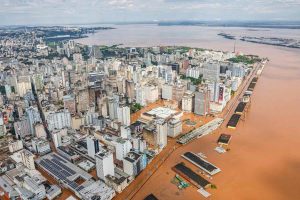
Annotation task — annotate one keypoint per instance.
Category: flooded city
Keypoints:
(263, 161)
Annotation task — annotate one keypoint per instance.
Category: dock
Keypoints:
(201, 131)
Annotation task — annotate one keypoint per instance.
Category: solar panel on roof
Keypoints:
(59, 158)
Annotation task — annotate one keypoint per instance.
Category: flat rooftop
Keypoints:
(251, 86)
(63, 171)
(240, 108)
(190, 175)
(150, 197)
(201, 163)
(162, 112)
(233, 121)
(224, 139)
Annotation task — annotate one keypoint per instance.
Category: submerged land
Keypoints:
(261, 161)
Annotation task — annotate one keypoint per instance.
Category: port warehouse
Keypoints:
(252, 84)
(202, 130)
(240, 108)
(191, 176)
(201, 163)
(234, 120)
(224, 139)
(151, 197)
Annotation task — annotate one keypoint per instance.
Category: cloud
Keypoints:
(89, 11)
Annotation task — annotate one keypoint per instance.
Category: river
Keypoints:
(264, 160)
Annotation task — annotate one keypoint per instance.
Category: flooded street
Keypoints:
(264, 160)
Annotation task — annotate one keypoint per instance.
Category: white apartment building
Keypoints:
(124, 115)
(140, 95)
(104, 164)
(122, 147)
(187, 101)
(161, 133)
(34, 117)
(167, 92)
(59, 120)
(27, 159)
(151, 92)
(93, 146)
(15, 146)
(174, 127)
(23, 85)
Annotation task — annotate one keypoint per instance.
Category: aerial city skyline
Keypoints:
(149, 100)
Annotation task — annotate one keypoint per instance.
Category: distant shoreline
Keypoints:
(281, 42)
(270, 25)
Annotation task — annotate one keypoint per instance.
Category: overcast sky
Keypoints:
(17, 12)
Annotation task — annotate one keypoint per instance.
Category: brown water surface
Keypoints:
(264, 160)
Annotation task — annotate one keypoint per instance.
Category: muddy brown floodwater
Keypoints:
(264, 160)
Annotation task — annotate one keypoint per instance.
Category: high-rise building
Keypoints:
(140, 95)
(24, 85)
(104, 164)
(93, 146)
(130, 89)
(178, 92)
(14, 146)
(188, 101)
(161, 133)
(27, 159)
(151, 93)
(202, 102)
(59, 120)
(124, 114)
(22, 128)
(113, 103)
(82, 100)
(211, 71)
(134, 163)
(2, 126)
(174, 127)
(34, 117)
(41, 146)
(69, 103)
(38, 81)
(123, 147)
(167, 91)
(40, 130)
(57, 136)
